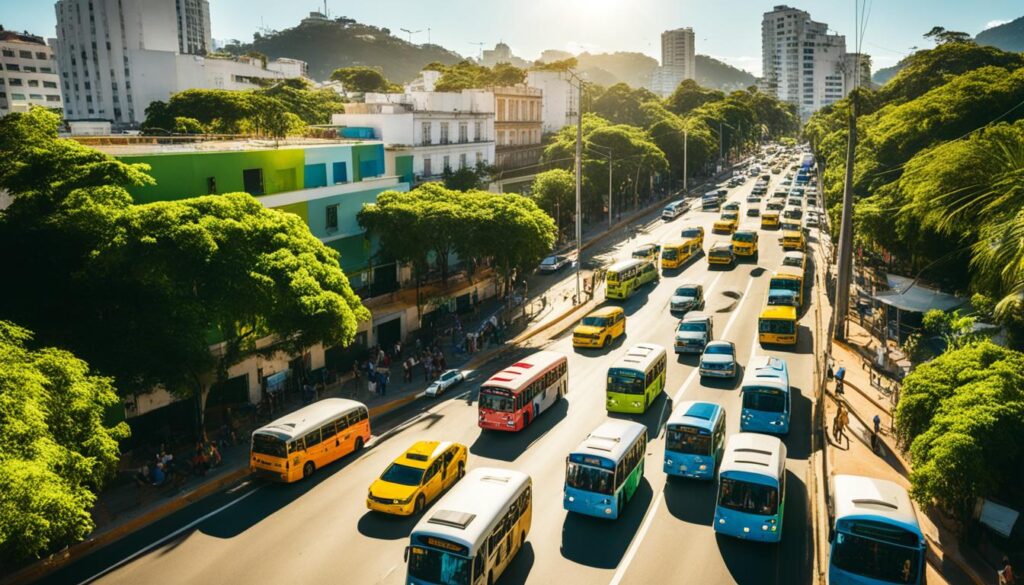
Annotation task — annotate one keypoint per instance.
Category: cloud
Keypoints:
(994, 23)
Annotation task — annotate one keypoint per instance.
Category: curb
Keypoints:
(57, 560)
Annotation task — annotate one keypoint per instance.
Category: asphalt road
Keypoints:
(319, 531)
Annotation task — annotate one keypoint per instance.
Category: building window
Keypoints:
(463, 132)
(426, 130)
(41, 56)
(426, 167)
(340, 172)
(50, 84)
(315, 175)
(18, 96)
(29, 68)
(13, 67)
(15, 81)
(8, 53)
(444, 132)
(53, 98)
(479, 157)
(501, 110)
(33, 83)
(252, 180)
(25, 54)
(478, 131)
(332, 217)
(447, 166)
(462, 161)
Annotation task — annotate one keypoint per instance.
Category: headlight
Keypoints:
(746, 529)
(668, 462)
(572, 499)
(703, 468)
(607, 510)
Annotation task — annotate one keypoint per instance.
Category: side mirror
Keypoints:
(405, 556)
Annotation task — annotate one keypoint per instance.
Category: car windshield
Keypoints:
(448, 375)
(495, 402)
(686, 291)
(797, 262)
(625, 381)
(752, 498)
(693, 233)
(779, 326)
(876, 559)
(781, 300)
(548, 261)
(743, 237)
(434, 566)
(669, 254)
(268, 445)
(594, 321)
(720, 252)
(402, 474)
(693, 326)
(683, 439)
(719, 349)
(729, 216)
(764, 399)
(590, 479)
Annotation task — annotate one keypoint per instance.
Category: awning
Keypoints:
(999, 518)
(916, 298)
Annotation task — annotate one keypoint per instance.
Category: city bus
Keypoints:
(297, 444)
(603, 472)
(765, 396)
(790, 280)
(777, 324)
(694, 440)
(875, 536)
(676, 254)
(636, 379)
(513, 397)
(751, 488)
(473, 533)
(625, 277)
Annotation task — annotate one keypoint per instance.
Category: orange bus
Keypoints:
(512, 398)
(297, 444)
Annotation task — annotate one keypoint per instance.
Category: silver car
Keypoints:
(446, 380)
(718, 360)
(693, 332)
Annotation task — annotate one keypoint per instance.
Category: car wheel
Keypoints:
(421, 503)
(606, 341)
(308, 469)
(462, 470)
(359, 445)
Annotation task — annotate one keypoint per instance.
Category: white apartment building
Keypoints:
(857, 68)
(438, 129)
(802, 62)
(28, 73)
(115, 57)
(678, 61)
(561, 98)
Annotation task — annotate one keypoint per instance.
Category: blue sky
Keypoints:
(726, 29)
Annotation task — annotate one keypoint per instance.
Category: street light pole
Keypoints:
(579, 186)
(609, 190)
(686, 180)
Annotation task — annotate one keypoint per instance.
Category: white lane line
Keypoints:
(170, 536)
(736, 312)
(631, 552)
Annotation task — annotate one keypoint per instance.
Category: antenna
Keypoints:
(410, 33)
(481, 45)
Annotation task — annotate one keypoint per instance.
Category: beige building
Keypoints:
(28, 73)
(518, 126)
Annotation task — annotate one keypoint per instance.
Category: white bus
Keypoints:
(752, 488)
(473, 533)
(605, 470)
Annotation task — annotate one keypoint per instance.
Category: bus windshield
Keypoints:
(764, 399)
(669, 254)
(690, 233)
(625, 381)
(794, 262)
(612, 276)
(402, 474)
(786, 299)
(589, 479)
(686, 440)
(594, 321)
(720, 252)
(780, 326)
(494, 401)
(792, 284)
(752, 498)
(434, 566)
(745, 237)
(875, 559)
(268, 445)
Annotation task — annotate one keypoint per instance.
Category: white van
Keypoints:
(674, 209)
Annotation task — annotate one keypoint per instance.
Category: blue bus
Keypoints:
(751, 497)
(875, 536)
(604, 471)
(765, 396)
(694, 440)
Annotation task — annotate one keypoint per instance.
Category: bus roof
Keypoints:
(877, 499)
(696, 414)
(779, 312)
(625, 264)
(308, 418)
(516, 376)
(786, 272)
(640, 357)
(756, 454)
(605, 311)
(468, 513)
(793, 255)
(764, 370)
(611, 439)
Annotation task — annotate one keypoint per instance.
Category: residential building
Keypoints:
(560, 98)
(435, 129)
(803, 63)
(28, 73)
(678, 61)
(857, 69)
(518, 126)
(502, 53)
(115, 57)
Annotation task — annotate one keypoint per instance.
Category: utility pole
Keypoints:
(844, 259)
(686, 158)
(719, 144)
(609, 190)
(579, 187)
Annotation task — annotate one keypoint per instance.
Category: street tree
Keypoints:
(362, 79)
(689, 96)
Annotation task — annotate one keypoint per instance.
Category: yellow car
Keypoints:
(599, 328)
(721, 253)
(744, 243)
(793, 240)
(727, 224)
(419, 476)
(769, 219)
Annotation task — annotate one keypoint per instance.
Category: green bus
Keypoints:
(636, 379)
(605, 470)
(626, 277)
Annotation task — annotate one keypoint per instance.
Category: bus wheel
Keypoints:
(462, 470)
(359, 445)
(526, 419)
(606, 341)
(421, 503)
(308, 469)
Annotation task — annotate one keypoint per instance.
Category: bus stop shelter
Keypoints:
(907, 301)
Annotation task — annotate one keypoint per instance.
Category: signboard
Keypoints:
(443, 544)
(592, 460)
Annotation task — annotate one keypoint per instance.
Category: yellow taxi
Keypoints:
(769, 219)
(792, 235)
(727, 224)
(744, 243)
(600, 328)
(419, 476)
(721, 253)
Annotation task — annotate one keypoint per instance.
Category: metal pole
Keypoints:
(579, 186)
(609, 191)
(686, 159)
(846, 232)
(719, 145)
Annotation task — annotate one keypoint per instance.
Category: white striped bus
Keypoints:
(513, 398)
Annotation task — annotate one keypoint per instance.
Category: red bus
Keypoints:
(513, 397)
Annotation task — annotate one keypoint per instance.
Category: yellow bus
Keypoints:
(777, 324)
(790, 281)
(625, 277)
(297, 444)
(676, 254)
(744, 243)
(769, 219)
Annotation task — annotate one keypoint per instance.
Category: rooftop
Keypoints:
(128, 144)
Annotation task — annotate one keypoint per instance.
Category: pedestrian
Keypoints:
(159, 475)
(840, 377)
(398, 349)
(428, 365)
(844, 421)
(142, 476)
(355, 370)
(385, 377)
(406, 371)
(1006, 576)
(835, 423)
(878, 423)
(308, 392)
(213, 456)
(371, 385)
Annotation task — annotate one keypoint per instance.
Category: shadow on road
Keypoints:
(385, 527)
(691, 500)
(798, 442)
(519, 569)
(653, 418)
(506, 446)
(600, 543)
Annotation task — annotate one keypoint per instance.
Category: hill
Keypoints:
(711, 72)
(883, 75)
(1008, 37)
(329, 44)
(633, 69)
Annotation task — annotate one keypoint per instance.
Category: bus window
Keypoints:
(753, 498)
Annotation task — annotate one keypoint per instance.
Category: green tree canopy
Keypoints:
(469, 75)
(55, 449)
(689, 96)
(362, 79)
(555, 193)
(621, 104)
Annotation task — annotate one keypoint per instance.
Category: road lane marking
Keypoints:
(170, 536)
(631, 552)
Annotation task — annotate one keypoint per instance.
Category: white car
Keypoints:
(812, 220)
(554, 263)
(446, 380)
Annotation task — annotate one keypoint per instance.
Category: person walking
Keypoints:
(840, 377)
(385, 377)
(877, 428)
(844, 421)
(835, 422)
(1006, 576)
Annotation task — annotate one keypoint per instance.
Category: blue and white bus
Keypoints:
(752, 488)
(695, 440)
(875, 536)
(603, 472)
(765, 396)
